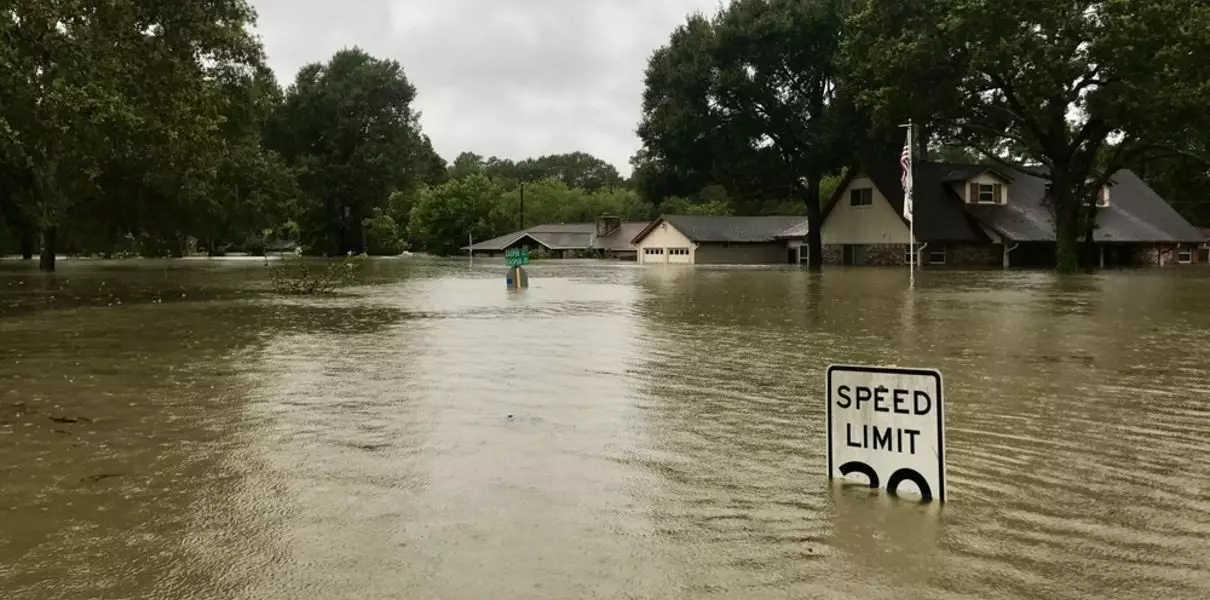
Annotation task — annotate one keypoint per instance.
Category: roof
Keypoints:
(709, 228)
(1136, 214)
(564, 236)
(938, 210)
(620, 240)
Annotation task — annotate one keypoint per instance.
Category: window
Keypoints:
(937, 255)
(653, 251)
(678, 251)
(1103, 197)
(1184, 256)
(861, 197)
(987, 194)
(909, 254)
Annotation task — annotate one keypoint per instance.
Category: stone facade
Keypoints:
(833, 254)
(1170, 254)
(974, 255)
(884, 255)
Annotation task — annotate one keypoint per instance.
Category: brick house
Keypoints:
(981, 215)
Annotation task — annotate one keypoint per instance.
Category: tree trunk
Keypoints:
(814, 222)
(27, 243)
(49, 242)
(1067, 229)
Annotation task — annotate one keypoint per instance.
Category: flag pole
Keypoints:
(912, 193)
(909, 208)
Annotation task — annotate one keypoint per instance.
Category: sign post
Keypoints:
(517, 278)
(888, 426)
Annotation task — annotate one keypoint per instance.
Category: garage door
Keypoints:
(679, 255)
(653, 256)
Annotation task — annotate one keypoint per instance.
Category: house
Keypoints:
(980, 215)
(609, 235)
(706, 240)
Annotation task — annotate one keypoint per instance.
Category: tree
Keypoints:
(446, 214)
(1078, 89)
(749, 100)
(75, 93)
(348, 128)
(465, 165)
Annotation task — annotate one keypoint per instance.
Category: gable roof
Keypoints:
(1136, 214)
(564, 236)
(709, 228)
(938, 211)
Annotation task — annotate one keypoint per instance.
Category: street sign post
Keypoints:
(517, 278)
(515, 257)
(887, 425)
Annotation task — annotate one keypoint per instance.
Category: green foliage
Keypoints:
(349, 130)
(444, 215)
(384, 237)
(117, 123)
(300, 276)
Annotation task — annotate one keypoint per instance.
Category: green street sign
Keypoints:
(515, 257)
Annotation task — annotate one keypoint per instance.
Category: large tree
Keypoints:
(349, 129)
(1078, 88)
(84, 82)
(749, 100)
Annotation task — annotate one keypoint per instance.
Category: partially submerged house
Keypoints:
(980, 215)
(715, 240)
(608, 236)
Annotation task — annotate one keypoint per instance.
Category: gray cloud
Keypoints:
(510, 78)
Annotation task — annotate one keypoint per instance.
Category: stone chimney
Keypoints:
(607, 225)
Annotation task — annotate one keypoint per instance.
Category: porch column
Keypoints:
(1101, 247)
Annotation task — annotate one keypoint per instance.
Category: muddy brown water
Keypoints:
(171, 431)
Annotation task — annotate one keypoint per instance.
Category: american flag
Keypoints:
(905, 163)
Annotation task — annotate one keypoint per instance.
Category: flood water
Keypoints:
(168, 430)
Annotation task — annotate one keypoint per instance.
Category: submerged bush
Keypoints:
(298, 276)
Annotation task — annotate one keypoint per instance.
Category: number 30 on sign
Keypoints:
(887, 426)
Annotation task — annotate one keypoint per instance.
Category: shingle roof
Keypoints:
(620, 240)
(1135, 213)
(707, 228)
(938, 211)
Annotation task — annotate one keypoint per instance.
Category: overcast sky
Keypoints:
(510, 78)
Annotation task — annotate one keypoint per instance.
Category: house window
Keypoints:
(909, 254)
(678, 251)
(653, 251)
(1103, 197)
(937, 255)
(861, 197)
(987, 194)
(1184, 256)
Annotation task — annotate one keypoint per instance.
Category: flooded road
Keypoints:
(169, 430)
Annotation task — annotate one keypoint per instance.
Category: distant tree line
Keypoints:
(767, 98)
(135, 128)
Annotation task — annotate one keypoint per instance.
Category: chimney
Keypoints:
(607, 225)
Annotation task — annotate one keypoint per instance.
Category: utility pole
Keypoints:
(522, 220)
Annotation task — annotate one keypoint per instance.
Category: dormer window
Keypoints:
(986, 193)
(1103, 197)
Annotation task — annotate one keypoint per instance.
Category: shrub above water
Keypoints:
(299, 276)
